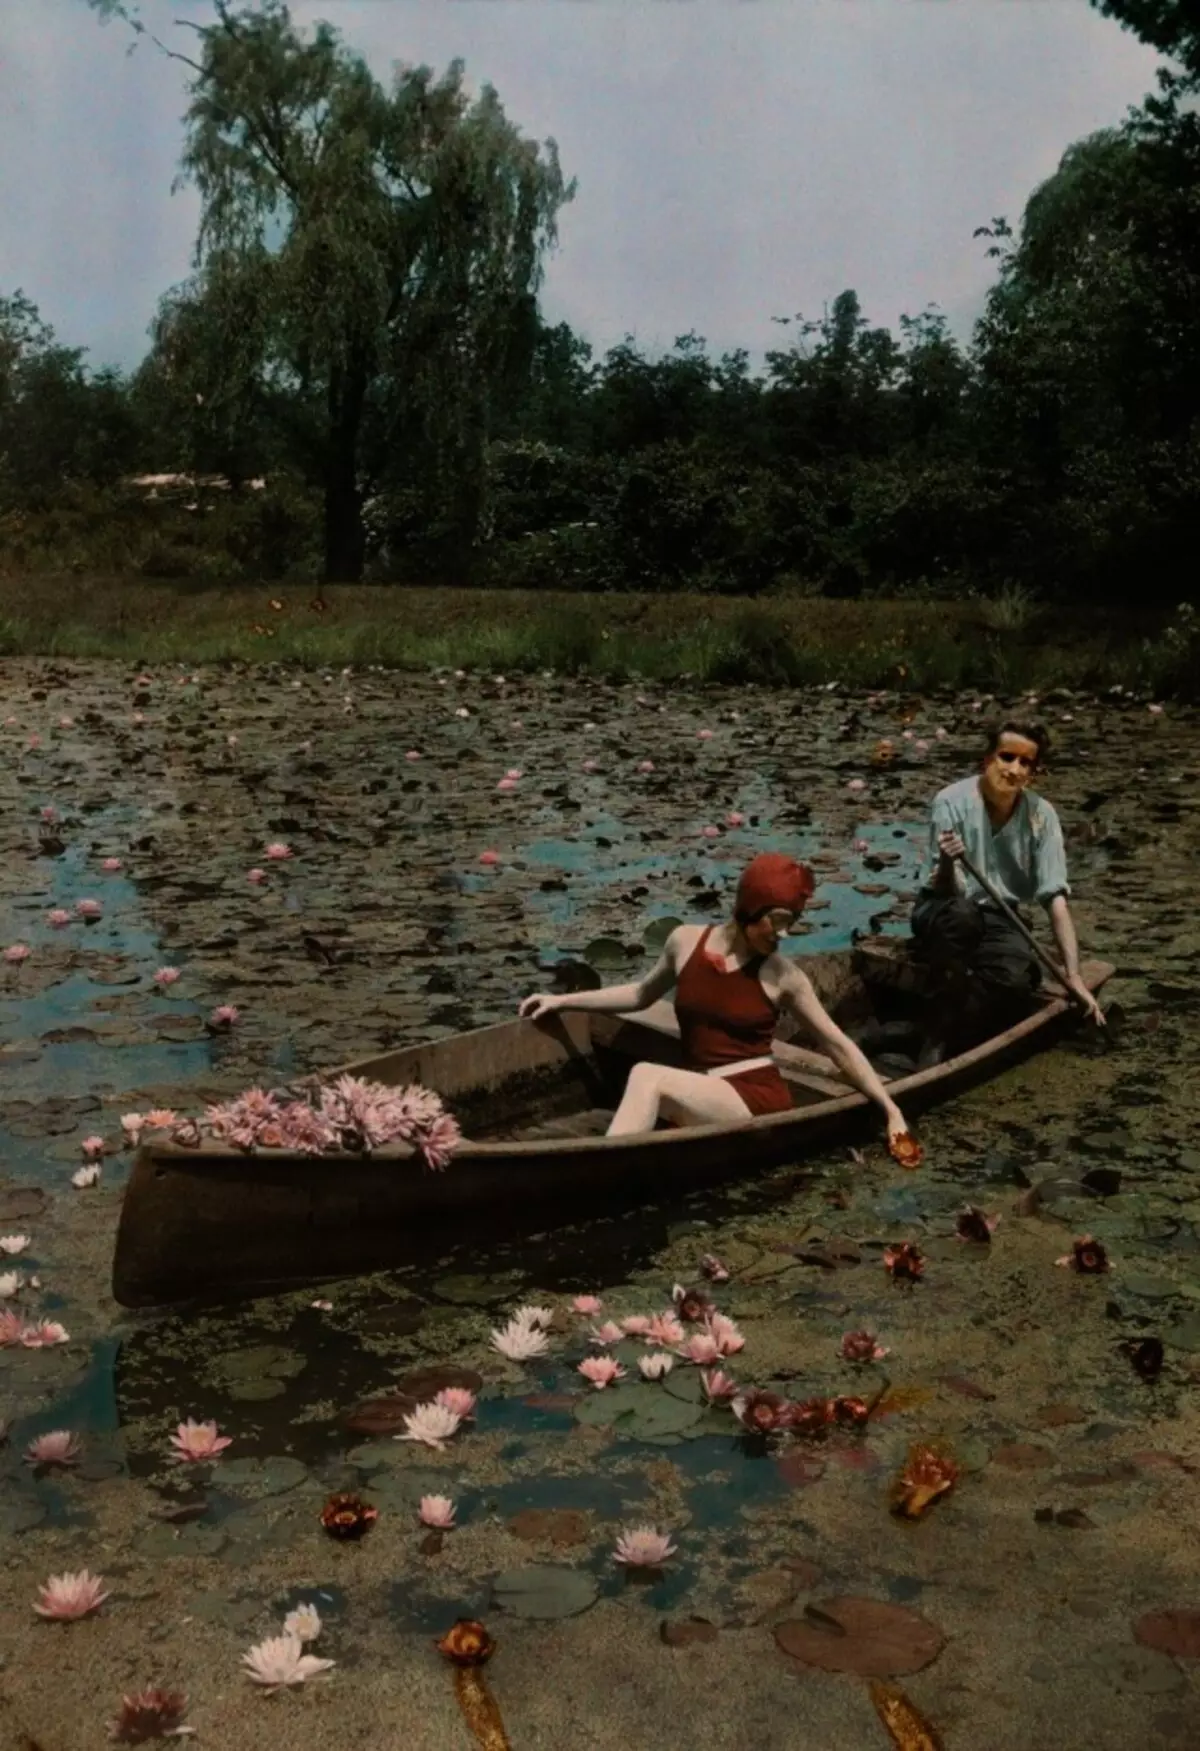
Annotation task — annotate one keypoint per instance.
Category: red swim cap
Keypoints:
(773, 880)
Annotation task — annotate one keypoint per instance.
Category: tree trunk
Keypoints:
(345, 537)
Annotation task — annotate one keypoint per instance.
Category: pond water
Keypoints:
(384, 928)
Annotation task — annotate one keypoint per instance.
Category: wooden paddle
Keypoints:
(1050, 965)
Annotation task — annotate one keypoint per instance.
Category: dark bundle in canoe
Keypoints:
(533, 1100)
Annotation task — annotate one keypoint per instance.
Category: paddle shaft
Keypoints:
(1012, 917)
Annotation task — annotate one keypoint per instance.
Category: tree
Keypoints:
(59, 424)
(1088, 350)
(1170, 26)
(370, 258)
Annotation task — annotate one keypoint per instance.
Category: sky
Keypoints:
(737, 160)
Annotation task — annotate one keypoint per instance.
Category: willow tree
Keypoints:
(379, 252)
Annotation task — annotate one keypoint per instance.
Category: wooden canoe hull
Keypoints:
(216, 1222)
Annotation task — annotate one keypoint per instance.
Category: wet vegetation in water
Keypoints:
(383, 928)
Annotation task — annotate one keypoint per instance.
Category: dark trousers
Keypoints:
(985, 973)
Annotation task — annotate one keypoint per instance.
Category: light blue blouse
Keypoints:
(1025, 861)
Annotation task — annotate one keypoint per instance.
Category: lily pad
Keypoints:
(1171, 1632)
(657, 931)
(1149, 1287)
(262, 1477)
(1185, 1335)
(639, 1413)
(863, 1636)
(606, 952)
(543, 1591)
(18, 1203)
(551, 1526)
(475, 1291)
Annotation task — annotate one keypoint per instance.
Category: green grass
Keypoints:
(907, 643)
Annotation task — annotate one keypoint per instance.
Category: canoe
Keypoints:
(532, 1099)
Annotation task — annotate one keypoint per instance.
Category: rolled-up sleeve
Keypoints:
(1050, 856)
(941, 820)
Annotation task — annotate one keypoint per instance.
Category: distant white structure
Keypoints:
(184, 481)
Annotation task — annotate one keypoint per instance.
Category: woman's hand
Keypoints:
(1087, 999)
(539, 1004)
(897, 1124)
(951, 846)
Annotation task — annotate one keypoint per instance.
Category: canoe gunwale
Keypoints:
(1096, 974)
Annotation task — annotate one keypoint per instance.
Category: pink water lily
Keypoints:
(645, 766)
(725, 1334)
(734, 819)
(257, 876)
(701, 1348)
(111, 864)
(643, 1547)
(166, 976)
(586, 1304)
(489, 858)
(277, 851)
(89, 909)
(457, 1399)
(608, 1333)
(44, 1334)
(17, 952)
(719, 1387)
(664, 1329)
(224, 1015)
(601, 1371)
(194, 1443)
(92, 1147)
(67, 1597)
(437, 1511)
(57, 1447)
(861, 1346)
(636, 1325)
(58, 917)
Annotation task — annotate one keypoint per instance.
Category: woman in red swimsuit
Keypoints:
(730, 986)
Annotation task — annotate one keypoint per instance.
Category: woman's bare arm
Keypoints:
(796, 991)
(613, 999)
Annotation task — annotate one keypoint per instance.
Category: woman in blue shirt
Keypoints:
(1013, 837)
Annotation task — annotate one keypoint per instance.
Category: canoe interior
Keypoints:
(219, 1222)
(565, 1077)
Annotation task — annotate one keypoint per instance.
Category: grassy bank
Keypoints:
(781, 641)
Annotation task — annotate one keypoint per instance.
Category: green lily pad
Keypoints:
(476, 1291)
(262, 1477)
(657, 931)
(639, 1412)
(1185, 1335)
(258, 1361)
(1151, 1288)
(606, 952)
(544, 1591)
(189, 1541)
(686, 1384)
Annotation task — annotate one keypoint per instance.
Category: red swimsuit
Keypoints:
(725, 1017)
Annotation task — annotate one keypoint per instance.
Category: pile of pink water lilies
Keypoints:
(350, 1114)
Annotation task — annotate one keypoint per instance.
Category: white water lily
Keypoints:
(539, 1316)
(430, 1423)
(656, 1365)
(13, 1243)
(520, 1343)
(281, 1661)
(10, 1282)
(304, 1623)
(87, 1175)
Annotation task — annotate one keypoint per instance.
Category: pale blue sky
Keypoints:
(736, 161)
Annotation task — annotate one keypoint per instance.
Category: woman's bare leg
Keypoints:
(686, 1096)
